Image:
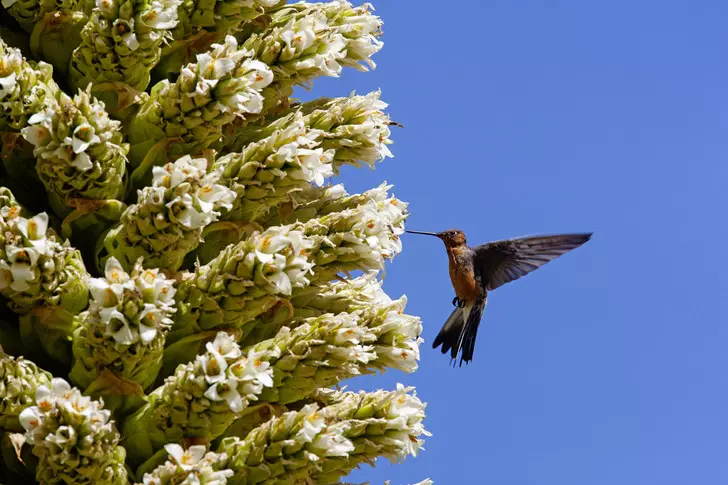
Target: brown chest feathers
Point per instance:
(461, 273)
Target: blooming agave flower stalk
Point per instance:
(185, 287)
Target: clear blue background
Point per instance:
(610, 365)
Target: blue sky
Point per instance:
(608, 366)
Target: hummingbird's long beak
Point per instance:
(425, 233)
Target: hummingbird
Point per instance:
(476, 271)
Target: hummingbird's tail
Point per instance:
(460, 331)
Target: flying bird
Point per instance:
(476, 271)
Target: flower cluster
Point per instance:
(79, 149)
(307, 446)
(19, 379)
(351, 232)
(25, 88)
(169, 217)
(35, 268)
(124, 329)
(121, 43)
(193, 466)
(242, 282)
(223, 84)
(73, 437)
(264, 173)
(202, 398)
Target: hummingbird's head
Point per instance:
(451, 237)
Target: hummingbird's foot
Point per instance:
(455, 301)
(461, 303)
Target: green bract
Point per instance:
(184, 288)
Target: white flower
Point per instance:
(186, 168)
(22, 265)
(117, 326)
(256, 368)
(333, 444)
(212, 69)
(228, 391)
(214, 366)
(64, 435)
(34, 230)
(31, 418)
(225, 346)
(116, 276)
(213, 196)
(46, 397)
(7, 83)
(184, 210)
(298, 40)
(162, 15)
(162, 289)
(130, 38)
(150, 318)
(257, 73)
(186, 459)
(316, 164)
(246, 102)
(313, 424)
(82, 162)
(84, 136)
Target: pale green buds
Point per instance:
(19, 379)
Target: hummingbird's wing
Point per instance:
(501, 262)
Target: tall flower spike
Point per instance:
(80, 151)
(73, 437)
(355, 127)
(168, 220)
(187, 116)
(121, 43)
(190, 466)
(200, 400)
(19, 379)
(245, 280)
(322, 445)
(123, 332)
